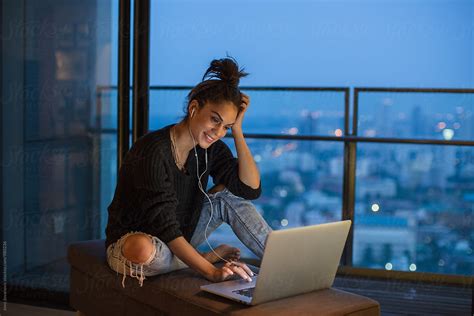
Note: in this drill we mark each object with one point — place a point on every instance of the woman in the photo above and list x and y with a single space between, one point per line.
160 212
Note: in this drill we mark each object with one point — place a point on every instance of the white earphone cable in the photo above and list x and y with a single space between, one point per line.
207 196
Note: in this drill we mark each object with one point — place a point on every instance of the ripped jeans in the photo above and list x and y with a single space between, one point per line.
239 213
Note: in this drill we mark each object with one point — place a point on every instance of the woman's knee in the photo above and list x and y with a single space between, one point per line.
241 207
137 248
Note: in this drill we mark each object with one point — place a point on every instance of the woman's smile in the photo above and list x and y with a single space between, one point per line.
208 138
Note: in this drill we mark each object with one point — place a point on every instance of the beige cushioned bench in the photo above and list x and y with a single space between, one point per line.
97 290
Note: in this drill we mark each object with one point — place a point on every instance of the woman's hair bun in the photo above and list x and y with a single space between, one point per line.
225 69
219 84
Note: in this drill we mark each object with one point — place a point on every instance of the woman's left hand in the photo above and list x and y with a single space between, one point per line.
237 127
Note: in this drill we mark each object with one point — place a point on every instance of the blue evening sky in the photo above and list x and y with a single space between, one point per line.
383 43
417 43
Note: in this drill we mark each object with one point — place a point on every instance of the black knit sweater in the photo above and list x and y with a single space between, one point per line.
155 197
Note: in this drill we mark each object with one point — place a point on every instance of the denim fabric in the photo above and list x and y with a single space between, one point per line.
239 213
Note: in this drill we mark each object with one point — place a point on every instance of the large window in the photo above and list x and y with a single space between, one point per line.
394 44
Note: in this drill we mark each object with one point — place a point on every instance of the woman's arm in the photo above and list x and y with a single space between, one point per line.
248 171
181 248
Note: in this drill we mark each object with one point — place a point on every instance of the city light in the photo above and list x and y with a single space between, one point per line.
293 131
375 207
402 116
388 266
257 158
457 125
338 132
441 125
448 134
387 101
441 262
412 267
315 114
370 133
277 152
284 222
290 146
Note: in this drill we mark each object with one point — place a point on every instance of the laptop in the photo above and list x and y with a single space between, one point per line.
295 261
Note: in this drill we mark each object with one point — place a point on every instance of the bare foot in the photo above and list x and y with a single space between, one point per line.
225 251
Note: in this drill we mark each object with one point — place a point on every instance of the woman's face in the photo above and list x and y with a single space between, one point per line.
211 122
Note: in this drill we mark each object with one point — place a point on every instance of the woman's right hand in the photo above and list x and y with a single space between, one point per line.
229 269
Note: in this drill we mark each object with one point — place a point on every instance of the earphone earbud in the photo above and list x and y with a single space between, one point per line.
192 112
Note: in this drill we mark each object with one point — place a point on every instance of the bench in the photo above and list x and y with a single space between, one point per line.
97 290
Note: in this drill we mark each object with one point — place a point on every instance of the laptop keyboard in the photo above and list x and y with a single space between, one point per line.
245 292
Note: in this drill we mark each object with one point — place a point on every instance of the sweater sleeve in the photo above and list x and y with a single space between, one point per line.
225 170
156 197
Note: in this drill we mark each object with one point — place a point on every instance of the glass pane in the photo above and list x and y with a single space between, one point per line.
301 185
295 112
425 115
414 208
271 112
166 107
56 159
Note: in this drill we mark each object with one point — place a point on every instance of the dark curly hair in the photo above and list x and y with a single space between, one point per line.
220 83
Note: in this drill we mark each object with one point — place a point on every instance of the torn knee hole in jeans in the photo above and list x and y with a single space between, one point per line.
140 278
134 274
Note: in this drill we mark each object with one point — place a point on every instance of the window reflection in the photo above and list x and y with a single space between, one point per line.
62 53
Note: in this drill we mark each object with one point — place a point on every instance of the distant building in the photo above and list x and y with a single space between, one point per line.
375 187
386 239
294 213
418 122
279 159
321 201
